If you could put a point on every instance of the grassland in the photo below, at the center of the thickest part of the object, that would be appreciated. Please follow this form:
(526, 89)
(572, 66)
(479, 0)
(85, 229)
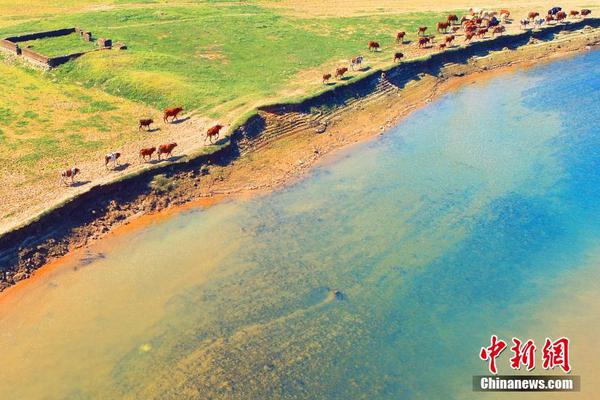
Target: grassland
(219, 58)
(58, 46)
(215, 58)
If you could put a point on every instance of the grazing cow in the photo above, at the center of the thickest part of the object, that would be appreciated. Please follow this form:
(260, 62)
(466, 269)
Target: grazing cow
(554, 10)
(532, 15)
(441, 46)
(504, 11)
(213, 132)
(145, 123)
(573, 13)
(147, 152)
(585, 12)
(166, 149)
(326, 78)
(112, 158)
(398, 57)
(421, 31)
(481, 33)
(339, 73)
(549, 18)
(172, 112)
(452, 18)
(442, 27)
(423, 41)
(373, 46)
(400, 37)
(449, 39)
(70, 173)
(470, 28)
(561, 15)
(524, 23)
(498, 30)
(356, 62)
(469, 36)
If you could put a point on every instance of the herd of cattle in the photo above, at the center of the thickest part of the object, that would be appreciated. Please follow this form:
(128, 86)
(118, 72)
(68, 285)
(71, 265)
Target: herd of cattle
(145, 154)
(477, 23)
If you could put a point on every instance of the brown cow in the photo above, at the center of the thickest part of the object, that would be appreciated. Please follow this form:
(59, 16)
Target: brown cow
(373, 46)
(172, 112)
(498, 30)
(469, 36)
(442, 46)
(442, 27)
(398, 56)
(549, 18)
(70, 173)
(585, 12)
(470, 28)
(532, 15)
(214, 131)
(561, 15)
(449, 39)
(147, 152)
(504, 11)
(481, 32)
(452, 18)
(573, 13)
(455, 29)
(339, 73)
(112, 157)
(400, 37)
(423, 41)
(326, 78)
(421, 30)
(145, 123)
(166, 149)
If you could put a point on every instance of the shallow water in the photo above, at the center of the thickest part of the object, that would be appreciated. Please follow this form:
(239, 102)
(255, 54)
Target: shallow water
(478, 215)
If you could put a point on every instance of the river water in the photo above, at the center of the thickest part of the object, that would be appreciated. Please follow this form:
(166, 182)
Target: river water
(478, 215)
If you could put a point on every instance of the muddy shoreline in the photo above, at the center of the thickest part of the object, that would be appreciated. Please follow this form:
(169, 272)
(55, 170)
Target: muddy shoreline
(279, 143)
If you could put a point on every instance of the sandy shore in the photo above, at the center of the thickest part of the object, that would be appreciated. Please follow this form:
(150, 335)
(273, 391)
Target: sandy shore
(289, 146)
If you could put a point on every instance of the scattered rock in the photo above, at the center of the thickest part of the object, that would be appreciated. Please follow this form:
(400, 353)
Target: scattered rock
(19, 276)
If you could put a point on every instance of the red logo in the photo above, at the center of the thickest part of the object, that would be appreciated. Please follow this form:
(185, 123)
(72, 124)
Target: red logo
(554, 354)
(492, 352)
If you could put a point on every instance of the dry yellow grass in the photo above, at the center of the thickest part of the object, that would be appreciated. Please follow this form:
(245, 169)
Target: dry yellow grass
(349, 8)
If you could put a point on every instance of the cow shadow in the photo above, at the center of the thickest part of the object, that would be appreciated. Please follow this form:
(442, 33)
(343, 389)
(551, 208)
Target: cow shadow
(121, 167)
(346, 78)
(79, 183)
(153, 130)
(364, 69)
(170, 159)
(180, 120)
(219, 142)
(330, 84)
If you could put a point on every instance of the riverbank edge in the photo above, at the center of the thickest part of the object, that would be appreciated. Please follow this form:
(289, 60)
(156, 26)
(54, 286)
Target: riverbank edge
(79, 221)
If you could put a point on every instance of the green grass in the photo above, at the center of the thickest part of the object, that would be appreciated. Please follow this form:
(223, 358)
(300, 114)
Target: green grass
(59, 46)
(215, 58)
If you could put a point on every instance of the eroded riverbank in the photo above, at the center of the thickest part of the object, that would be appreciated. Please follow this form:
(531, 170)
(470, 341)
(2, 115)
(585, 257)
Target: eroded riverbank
(277, 145)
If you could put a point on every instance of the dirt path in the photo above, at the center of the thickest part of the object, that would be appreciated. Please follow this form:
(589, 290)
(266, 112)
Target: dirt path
(25, 201)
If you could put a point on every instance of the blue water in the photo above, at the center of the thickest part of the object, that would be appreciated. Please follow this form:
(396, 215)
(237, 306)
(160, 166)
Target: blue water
(478, 215)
